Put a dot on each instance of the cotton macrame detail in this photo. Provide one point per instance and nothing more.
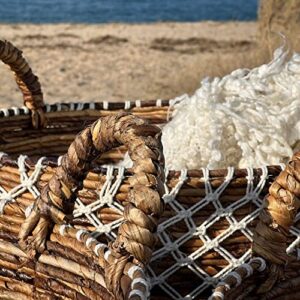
(171, 247)
(27, 183)
(114, 179)
(106, 197)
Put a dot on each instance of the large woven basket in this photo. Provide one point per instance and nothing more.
(110, 248)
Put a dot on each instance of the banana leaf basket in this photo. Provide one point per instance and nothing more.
(75, 225)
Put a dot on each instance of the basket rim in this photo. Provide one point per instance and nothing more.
(93, 105)
(6, 160)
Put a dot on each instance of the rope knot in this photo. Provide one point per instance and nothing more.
(104, 228)
(6, 197)
(171, 247)
(201, 231)
(107, 199)
(212, 244)
(168, 198)
(86, 210)
(27, 183)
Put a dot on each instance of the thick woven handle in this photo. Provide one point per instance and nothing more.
(136, 236)
(271, 260)
(26, 80)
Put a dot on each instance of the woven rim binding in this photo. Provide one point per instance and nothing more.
(83, 106)
(136, 236)
(26, 80)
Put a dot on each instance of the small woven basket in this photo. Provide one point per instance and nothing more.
(120, 233)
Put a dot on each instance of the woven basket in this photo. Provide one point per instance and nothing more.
(202, 247)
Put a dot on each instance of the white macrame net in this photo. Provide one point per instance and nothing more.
(169, 246)
(27, 183)
(248, 118)
(182, 260)
(114, 178)
(106, 198)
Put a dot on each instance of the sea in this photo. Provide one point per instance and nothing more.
(125, 11)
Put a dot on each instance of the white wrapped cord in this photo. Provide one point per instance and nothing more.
(107, 253)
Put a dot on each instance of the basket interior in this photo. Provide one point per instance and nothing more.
(64, 121)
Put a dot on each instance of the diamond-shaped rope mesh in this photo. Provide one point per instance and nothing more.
(179, 263)
(27, 183)
(106, 198)
(183, 263)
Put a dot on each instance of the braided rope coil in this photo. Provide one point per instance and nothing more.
(278, 214)
(27, 82)
(136, 236)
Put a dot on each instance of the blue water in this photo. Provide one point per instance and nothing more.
(130, 11)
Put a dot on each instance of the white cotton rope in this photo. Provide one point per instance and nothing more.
(248, 118)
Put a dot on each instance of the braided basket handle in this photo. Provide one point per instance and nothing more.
(136, 236)
(27, 82)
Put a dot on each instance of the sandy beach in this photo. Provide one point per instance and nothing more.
(122, 62)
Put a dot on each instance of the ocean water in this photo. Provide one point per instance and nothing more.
(129, 11)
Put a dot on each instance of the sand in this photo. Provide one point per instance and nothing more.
(127, 62)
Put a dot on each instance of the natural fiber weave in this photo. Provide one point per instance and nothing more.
(107, 215)
(135, 238)
(195, 207)
(26, 80)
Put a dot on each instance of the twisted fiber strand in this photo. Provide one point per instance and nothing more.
(280, 209)
(136, 236)
(26, 80)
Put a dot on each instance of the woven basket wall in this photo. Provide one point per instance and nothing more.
(205, 232)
